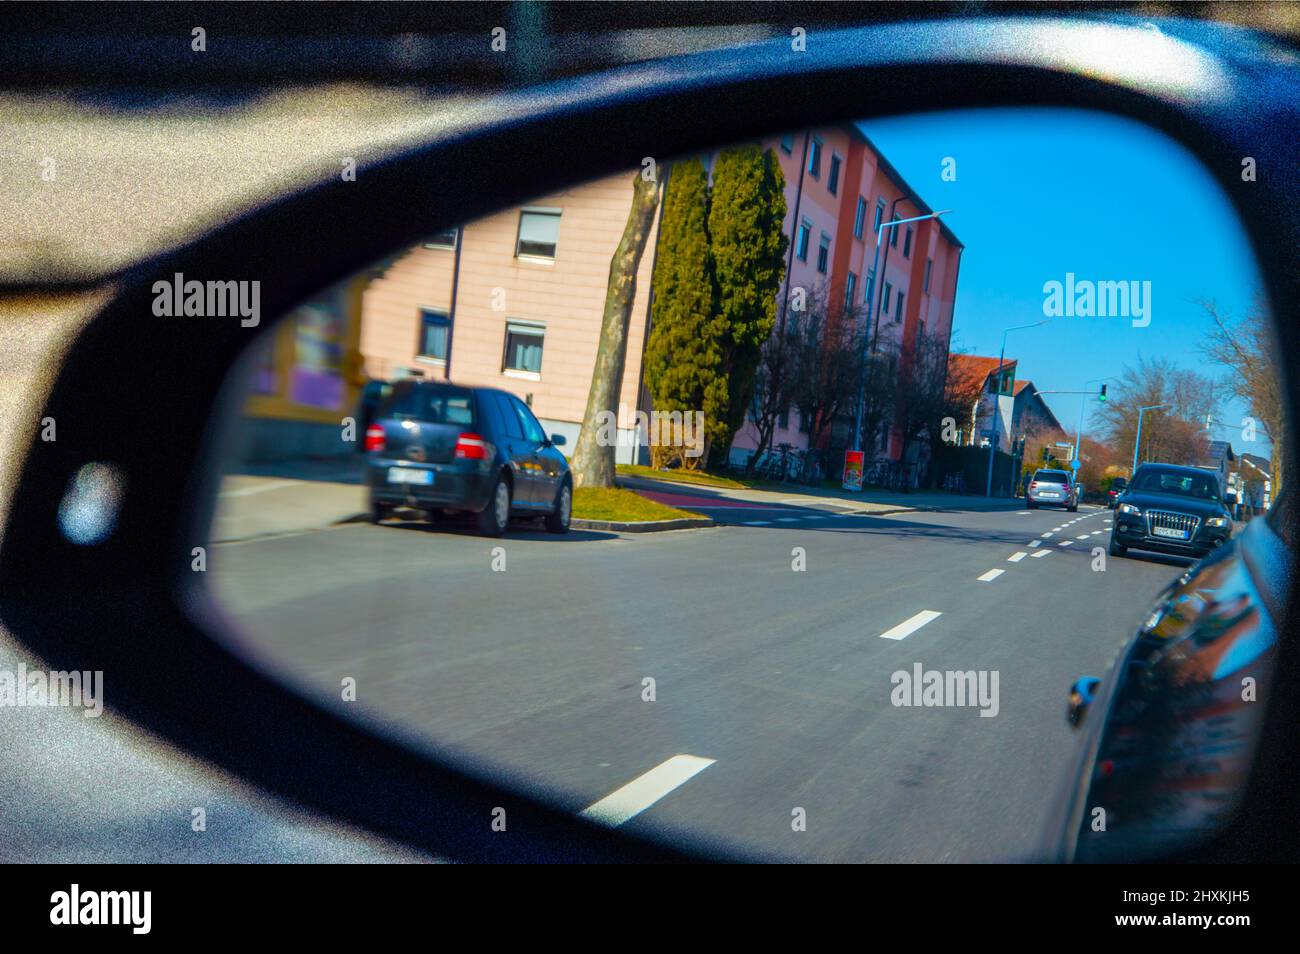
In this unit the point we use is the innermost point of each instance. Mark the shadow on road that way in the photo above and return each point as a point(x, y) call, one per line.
point(518, 529)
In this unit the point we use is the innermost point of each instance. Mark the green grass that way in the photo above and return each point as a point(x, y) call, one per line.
point(681, 476)
point(612, 503)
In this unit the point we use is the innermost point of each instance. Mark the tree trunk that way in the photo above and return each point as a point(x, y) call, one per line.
point(593, 458)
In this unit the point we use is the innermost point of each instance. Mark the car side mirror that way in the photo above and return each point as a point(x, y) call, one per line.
point(558, 440)
point(1081, 696)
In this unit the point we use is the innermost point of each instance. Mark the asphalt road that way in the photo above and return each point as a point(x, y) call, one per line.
point(780, 677)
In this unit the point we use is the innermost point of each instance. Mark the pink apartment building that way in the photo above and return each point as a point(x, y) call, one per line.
point(839, 189)
point(515, 300)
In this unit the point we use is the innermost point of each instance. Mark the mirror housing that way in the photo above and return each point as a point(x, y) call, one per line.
point(558, 440)
point(1082, 692)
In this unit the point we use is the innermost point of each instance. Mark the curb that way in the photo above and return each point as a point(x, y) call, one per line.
point(643, 526)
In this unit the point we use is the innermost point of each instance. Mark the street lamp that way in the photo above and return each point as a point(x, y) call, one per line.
point(865, 370)
point(997, 403)
point(1137, 442)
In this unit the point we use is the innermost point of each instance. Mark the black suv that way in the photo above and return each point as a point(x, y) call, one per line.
point(442, 448)
point(1170, 509)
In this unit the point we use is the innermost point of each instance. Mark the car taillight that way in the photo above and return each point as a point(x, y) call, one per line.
point(471, 447)
point(374, 437)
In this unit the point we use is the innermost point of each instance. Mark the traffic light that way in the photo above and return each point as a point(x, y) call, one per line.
point(1101, 395)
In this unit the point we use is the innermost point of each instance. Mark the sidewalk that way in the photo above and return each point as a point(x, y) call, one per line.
point(250, 506)
point(871, 500)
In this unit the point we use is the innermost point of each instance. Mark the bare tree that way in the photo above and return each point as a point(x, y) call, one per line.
point(922, 400)
point(1175, 434)
point(1247, 348)
point(827, 369)
point(593, 459)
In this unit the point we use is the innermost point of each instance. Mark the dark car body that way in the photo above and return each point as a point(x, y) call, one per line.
point(1171, 734)
point(1052, 488)
point(1117, 487)
point(437, 446)
point(1171, 509)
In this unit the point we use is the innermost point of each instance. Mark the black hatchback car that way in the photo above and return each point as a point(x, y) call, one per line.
point(1171, 509)
point(442, 449)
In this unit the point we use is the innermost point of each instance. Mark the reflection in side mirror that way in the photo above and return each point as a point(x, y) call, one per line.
point(1081, 695)
point(558, 440)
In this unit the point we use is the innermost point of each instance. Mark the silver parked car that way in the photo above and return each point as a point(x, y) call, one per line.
point(1052, 488)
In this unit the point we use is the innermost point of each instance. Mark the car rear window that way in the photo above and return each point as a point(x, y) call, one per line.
point(432, 405)
point(1051, 477)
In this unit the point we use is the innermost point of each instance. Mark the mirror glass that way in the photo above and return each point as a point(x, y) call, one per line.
point(779, 496)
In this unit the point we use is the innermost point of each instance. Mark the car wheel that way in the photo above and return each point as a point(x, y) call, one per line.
point(1117, 549)
point(1073, 509)
point(493, 518)
point(557, 521)
point(378, 512)
point(1031, 505)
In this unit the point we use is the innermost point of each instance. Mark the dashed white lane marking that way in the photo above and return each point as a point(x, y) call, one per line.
point(1082, 536)
point(260, 489)
point(1042, 553)
point(1017, 556)
point(1048, 534)
point(990, 576)
point(787, 519)
point(1023, 513)
point(643, 791)
point(1097, 533)
point(910, 626)
point(1058, 529)
point(1066, 543)
point(1035, 543)
point(758, 523)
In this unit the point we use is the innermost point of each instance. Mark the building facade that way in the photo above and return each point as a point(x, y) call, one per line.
point(839, 191)
point(515, 300)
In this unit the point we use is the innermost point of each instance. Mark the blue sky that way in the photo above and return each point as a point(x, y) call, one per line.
point(1039, 193)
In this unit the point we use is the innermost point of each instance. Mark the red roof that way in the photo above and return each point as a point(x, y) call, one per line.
point(978, 365)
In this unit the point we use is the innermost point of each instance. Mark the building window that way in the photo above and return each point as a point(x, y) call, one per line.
point(884, 302)
point(898, 315)
point(860, 217)
point(850, 286)
point(833, 181)
point(801, 244)
point(907, 243)
point(929, 264)
point(893, 234)
point(815, 158)
point(880, 215)
point(435, 334)
point(444, 239)
point(823, 253)
point(539, 233)
point(787, 142)
point(524, 346)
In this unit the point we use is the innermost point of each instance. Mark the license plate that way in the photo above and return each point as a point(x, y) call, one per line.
point(1166, 532)
point(1053, 496)
point(409, 475)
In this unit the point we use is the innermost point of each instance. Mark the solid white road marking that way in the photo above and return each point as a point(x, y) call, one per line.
point(1042, 553)
point(643, 791)
point(1017, 556)
point(910, 626)
point(990, 576)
